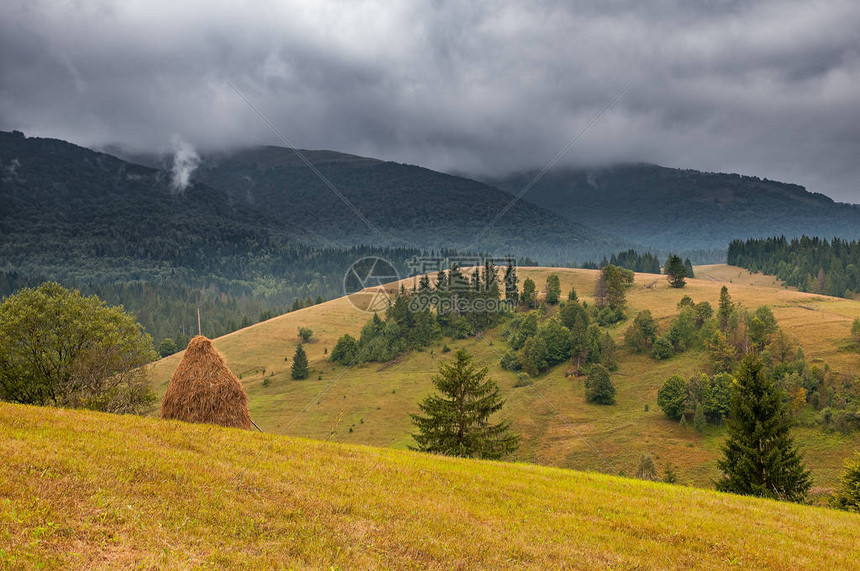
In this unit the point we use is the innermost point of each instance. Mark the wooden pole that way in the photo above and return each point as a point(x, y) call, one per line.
point(199, 330)
point(255, 425)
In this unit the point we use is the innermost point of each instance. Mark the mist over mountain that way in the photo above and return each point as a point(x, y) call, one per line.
point(677, 209)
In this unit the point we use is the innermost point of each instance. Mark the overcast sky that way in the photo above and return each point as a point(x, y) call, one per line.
point(769, 88)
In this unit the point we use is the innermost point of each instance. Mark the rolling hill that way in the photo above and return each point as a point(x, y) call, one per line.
point(675, 209)
point(82, 490)
point(369, 404)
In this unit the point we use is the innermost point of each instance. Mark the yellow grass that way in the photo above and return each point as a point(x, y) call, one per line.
point(374, 403)
point(82, 490)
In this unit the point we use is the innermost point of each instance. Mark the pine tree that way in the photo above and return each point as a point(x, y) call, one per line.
point(528, 295)
point(760, 458)
point(300, 364)
point(456, 422)
point(512, 294)
point(675, 271)
point(726, 308)
point(553, 288)
point(598, 386)
point(688, 266)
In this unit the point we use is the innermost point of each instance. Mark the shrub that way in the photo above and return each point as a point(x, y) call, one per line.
point(305, 334)
point(847, 497)
point(646, 470)
point(345, 350)
point(511, 362)
point(663, 348)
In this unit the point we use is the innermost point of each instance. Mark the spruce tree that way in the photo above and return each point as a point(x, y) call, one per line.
point(725, 309)
point(675, 271)
point(528, 295)
point(760, 458)
point(456, 422)
point(688, 267)
point(553, 288)
point(598, 386)
point(512, 294)
point(300, 364)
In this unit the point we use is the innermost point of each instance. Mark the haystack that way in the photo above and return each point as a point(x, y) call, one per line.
point(202, 389)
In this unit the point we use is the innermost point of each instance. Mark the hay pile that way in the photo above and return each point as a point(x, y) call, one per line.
point(202, 389)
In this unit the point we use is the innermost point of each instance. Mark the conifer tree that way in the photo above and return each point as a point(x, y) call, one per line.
point(553, 288)
point(760, 458)
point(300, 364)
point(724, 312)
point(512, 294)
point(456, 422)
point(528, 295)
point(847, 497)
point(675, 271)
point(598, 386)
point(688, 267)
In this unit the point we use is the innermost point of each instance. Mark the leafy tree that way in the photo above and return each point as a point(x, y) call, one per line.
point(761, 324)
point(528, 295)
point(60, 348)
point(300, 364)
point(855, 330)
point(611, 288)
point(675, 271)
point(305, 334)
point(345, 351)
point(553, 289)
point(672, 397)
point(847, 497)
point(760, 458)
point(166, 347)
point(642, 332)
point(598, 386)
point(535, 355)
point(457, 421)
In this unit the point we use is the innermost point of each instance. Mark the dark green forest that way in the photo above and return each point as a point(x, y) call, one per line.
point(810, 264)
point(683, 210)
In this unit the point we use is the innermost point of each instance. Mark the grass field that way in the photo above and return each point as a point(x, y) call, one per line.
point(83, 490)
point(369, 404)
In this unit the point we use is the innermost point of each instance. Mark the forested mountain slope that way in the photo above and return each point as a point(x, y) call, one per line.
point(674, 209)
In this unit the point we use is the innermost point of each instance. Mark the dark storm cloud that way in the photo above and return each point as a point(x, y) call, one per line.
point(768, 88)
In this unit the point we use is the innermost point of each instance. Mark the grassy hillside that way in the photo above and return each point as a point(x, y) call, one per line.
point(369, 404)
point(85, 490)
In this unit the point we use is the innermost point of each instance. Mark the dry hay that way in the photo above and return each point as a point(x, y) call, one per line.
point(202, 389)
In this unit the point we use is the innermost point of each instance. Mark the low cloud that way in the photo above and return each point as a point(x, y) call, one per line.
point(185, 162)
point(766, 88)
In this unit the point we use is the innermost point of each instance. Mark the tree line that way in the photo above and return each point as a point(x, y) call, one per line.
point(808, 263)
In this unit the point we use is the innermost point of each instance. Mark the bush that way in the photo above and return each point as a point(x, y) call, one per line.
point(305, 334)
point(511, 362)
point(847, 497)
point(663, 348)
point(345, 350)
point(598, 386)
point(646, 470)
